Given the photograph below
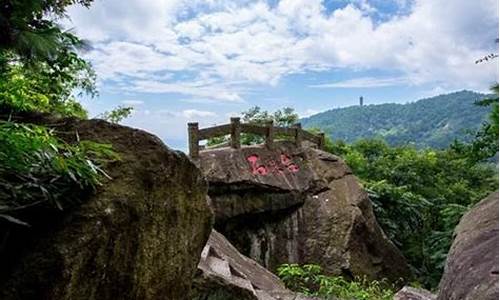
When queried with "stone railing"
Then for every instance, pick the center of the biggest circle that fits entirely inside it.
(235, 128)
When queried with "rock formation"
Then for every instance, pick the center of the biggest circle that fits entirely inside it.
(471, 271)
(138, 237)
(223, 273)
(298, 205)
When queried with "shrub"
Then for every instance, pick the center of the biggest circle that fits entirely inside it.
(36, 167)
(309, 279)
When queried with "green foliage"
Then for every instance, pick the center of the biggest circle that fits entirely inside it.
(485, 144)
(40, 71)
(20, 92)
(47, 87)
(308, 279)
(36, 167)
(217, 141)
(418, 196)
(39, 66)
(118, 114)
(285, 117)
(29, 28)
(434, 122)
(281, 117)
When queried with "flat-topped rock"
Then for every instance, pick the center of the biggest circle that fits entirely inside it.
(254, 179)
(282, 168)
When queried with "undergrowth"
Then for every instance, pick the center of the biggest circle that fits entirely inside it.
(310, 280)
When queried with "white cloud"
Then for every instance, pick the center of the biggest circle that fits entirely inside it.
(133, 102)
(193, 113)
(364, 82)
(118, 58)
(148, 43)
(309, 112)
(195, 89)
(185, 114)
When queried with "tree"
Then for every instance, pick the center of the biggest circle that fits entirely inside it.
(39, 65)
(281, 117)
(47, 87)
(39, 71)
(418, 196)
(117, 115)
(485, 144)
(29, 32)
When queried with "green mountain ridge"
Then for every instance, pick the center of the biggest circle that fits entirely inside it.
(431, 122)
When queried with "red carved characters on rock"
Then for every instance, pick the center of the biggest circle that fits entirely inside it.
(272, 166)
(256, 168)
(287, 162)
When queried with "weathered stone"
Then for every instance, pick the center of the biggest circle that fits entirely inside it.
(223, 273)
(238, 178)
(315, 212)
(471, 271)
(340, 230)
(411, 293)
(138, 237)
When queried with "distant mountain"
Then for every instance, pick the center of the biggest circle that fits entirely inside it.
(431, 122)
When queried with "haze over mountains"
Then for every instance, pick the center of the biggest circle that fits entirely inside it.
(432, 122)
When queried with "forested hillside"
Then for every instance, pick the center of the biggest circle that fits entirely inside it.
(433, 122)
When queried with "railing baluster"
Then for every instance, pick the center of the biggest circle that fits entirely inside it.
(270, 135)
(298, 134)
(194, 149)
(235, 133)
(321, 144)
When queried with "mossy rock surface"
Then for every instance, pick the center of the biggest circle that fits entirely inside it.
(139, 236)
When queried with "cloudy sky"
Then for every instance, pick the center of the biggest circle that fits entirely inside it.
(186, 60)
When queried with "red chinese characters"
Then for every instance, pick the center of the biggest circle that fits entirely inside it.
(271, 166)
(256, 168)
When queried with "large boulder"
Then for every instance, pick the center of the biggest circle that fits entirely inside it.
(223, 273)
(471, 271)
(139, 236)
(298, 205)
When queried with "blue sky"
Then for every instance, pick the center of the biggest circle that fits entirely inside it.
(177, 61)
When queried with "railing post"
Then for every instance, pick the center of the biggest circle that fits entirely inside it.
(235, 133)
(321, 144)
(194, 149)
(270, 135)
(298, 134)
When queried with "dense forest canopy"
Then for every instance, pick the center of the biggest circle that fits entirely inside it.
(433, 122)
